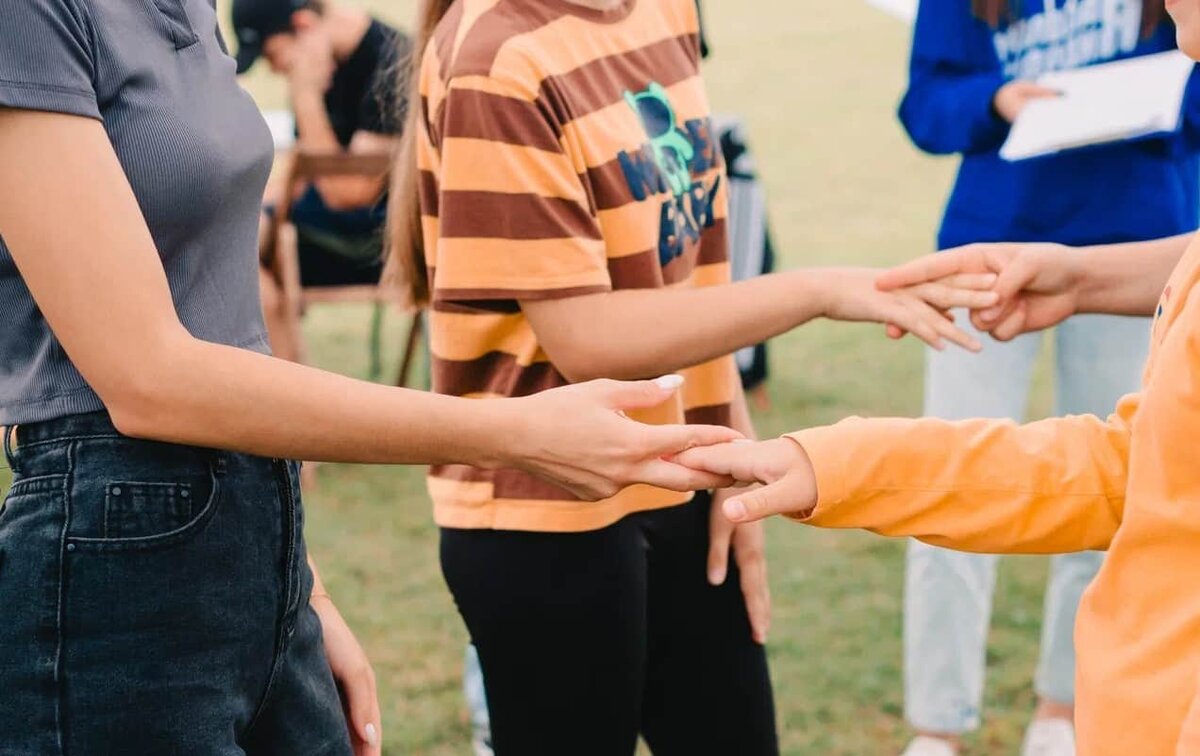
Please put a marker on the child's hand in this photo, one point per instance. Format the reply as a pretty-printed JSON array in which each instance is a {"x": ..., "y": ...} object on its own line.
[
  {"x": 921, "y": 309},
  {"x": 789, "y": 483}
]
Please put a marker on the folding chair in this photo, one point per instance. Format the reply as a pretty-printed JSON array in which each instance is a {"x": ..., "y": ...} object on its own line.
[{"x": 282, "y": 259}]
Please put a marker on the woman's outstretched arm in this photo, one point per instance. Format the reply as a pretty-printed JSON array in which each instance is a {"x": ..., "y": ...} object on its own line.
[{"x": 71, "y": 222}]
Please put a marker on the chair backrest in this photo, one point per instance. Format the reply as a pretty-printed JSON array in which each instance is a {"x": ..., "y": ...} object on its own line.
[{"x": 307, "y": 167}]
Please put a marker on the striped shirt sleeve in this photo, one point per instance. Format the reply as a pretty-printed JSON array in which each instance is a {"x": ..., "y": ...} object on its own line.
[
  {"x": 514, "y": 219},
  {"x": 46, "y": 60}
]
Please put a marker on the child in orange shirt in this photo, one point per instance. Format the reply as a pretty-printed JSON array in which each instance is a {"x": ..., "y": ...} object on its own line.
[{"x": 1130, "y": 484}]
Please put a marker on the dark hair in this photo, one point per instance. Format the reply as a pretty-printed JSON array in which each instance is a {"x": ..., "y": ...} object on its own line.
[
  {"x": 406, "y": 241},
  {"x": 995, "y": 12}
]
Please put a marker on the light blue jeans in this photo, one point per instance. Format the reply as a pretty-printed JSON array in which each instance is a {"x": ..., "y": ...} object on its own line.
[
  {"x": 948, "y": 595},
  {"x": 476, "y": 696}
]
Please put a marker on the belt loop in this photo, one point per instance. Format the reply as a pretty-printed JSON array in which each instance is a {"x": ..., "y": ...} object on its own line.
[{"x": 10, "y": 433}]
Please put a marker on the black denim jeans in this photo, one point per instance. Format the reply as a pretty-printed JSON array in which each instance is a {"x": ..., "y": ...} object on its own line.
[{"x": 154, "y": 600}]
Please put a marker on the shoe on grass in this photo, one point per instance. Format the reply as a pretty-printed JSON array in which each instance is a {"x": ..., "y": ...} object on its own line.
[
  {"x": 923, "y": 745},
  {"x": 1049, "y": 737}
]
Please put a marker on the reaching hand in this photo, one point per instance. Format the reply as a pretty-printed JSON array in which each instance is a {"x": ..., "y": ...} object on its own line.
[
  {"x": 748, "y": 544},
  {"x": 921, "y": 309},
  {"x": 354, "y": 676},
  {"x": 1037, "y": 285},
  {"x": 789, "y": 483},
  {"x": 579, "y": 438}
]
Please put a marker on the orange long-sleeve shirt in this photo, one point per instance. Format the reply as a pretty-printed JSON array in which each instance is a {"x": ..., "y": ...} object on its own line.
[{"x": 1130, "y": 484}]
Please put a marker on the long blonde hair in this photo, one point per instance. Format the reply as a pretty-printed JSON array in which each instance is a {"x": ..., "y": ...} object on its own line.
[{"x": 406, "y": 243}]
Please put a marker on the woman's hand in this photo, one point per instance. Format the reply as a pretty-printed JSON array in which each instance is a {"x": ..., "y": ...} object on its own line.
[
  {"x": 578, "y": 437},
  {"x": 354, "y": 676},
  {"x": 1037, "y": 285},
  {"x": 748, "y": 544},
  {"x": 1012, "y": 98},
  {"x": 789, "y": 482},
  {"x": 921, "y": 309}
]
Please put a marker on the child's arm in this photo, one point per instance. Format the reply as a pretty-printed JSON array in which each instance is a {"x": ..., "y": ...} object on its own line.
[
  {"x": 1040, "y": 285},
  {"x": 634, "y": 332},
  {"x": 987, "y": 486}
]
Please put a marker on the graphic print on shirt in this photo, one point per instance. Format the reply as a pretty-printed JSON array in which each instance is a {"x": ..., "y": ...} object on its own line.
[
  {"x": 1078, "y": 33},
  {"x": 666, "y": 164}
]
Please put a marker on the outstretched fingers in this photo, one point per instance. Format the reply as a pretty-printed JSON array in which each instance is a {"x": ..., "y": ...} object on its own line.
[
  {"x": 971, "y": 291},
  {"x": 968, "y": 260},
  {"x": 790, "y": 495},
  {"x": 735, "y": 460},
  {"x": 662, "y": 473}
]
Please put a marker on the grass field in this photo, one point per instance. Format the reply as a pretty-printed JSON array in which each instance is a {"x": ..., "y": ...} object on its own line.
[{"x": 817, "y": 82}]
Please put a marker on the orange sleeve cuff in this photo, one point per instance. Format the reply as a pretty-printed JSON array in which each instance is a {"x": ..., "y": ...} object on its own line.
[{"x": 821, "y": 445}]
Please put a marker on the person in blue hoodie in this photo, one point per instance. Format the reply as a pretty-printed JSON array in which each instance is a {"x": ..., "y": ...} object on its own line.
[{"x": 973, "y": 69}]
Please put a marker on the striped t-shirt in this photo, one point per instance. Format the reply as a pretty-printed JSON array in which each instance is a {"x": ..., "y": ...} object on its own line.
[{"x": 563, "y": 152}]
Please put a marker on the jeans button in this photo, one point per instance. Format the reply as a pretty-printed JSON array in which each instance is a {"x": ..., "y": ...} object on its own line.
[{"x": 116, "y": 491}]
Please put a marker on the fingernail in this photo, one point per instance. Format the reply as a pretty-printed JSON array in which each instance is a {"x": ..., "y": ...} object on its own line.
[
  {"x": 992, "y": 296},
  {"x": 990, "y": 313},
  {"x": 669, "y": 382},
  {"x": 372, "y": 735},
  {"x": 715, "y": 577},
  {"x": 741, "y": 441},
  {"x": 735, "y": 510}
]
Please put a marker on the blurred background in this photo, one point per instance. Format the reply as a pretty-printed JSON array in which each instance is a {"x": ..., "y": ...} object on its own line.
[{"x": 817, "y": 83}]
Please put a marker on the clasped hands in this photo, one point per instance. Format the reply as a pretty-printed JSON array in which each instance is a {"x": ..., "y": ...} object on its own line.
[{"x": 1035, "y": 286}]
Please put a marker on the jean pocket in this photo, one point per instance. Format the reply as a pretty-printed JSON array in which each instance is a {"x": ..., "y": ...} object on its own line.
[
  {"x": 141, "y": 510},
  {"x": 141, "y": 515},
  {"x": 178, "y": 25}
]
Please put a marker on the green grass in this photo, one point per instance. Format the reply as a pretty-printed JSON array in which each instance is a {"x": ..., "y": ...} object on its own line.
[{"x": 817, "y": 83}]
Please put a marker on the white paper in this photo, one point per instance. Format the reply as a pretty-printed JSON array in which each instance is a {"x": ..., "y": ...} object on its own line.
[
  {"x": 283, "y": 128},
  {"x": 1100, "y": 104},
  {"x": 905, "y": 10}
]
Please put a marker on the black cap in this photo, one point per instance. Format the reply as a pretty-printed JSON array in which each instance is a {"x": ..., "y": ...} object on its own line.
[{"x": 255, "y": 20}]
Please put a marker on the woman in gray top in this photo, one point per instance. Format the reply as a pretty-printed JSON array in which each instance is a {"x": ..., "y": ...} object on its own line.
[{"x": 152, "y": 568}]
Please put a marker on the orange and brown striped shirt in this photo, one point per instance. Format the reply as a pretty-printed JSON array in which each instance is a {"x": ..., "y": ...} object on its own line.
[{"x": 563, "y": 151}]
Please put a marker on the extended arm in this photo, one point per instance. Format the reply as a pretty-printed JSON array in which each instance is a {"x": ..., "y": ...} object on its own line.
[
  {"x": 635, "y": 333},
  {"x": 989, "y": 486},
  {"x": 1039, "y": 285},
  {"x": 100, "y": 285}
]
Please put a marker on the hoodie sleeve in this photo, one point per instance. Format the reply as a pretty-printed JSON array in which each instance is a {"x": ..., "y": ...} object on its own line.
[
  {"x": 986, "y": 486},
  {"x": 953, "y": 76}
]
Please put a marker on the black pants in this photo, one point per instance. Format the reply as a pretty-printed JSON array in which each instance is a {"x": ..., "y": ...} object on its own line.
[{"x": 588, "y": 639}]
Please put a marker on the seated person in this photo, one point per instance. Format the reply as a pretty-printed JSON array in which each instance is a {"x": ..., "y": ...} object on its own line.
[{"x": 341, "y": 67}]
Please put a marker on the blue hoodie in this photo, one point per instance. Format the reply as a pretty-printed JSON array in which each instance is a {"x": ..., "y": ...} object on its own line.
[{"x": 1127, "y": 191}]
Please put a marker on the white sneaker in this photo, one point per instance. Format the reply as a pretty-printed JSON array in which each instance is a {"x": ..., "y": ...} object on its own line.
[
  {"x": 923, "y": 745},
  {"x": 1049, "y": 737}
]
